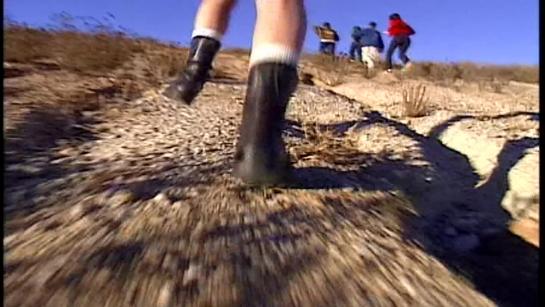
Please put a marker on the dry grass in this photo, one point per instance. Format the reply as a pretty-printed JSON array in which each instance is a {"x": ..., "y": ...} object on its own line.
[
  {"x": 72, "y": 50},
  {"x": 474, "y": 73},
  {"x": 162, "y": 63},
  {"x": 331, "y": 70},
  {"x": 97, "y": 49},
  {"x": 415, "y": 101}
]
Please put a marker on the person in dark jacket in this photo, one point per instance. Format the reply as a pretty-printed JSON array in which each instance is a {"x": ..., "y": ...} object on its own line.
[
  {"x": 400, "y": 32},
  {"x": 355, "y": 46},
  {"x": 371, "y": 45},
  {"x": 328, "y": 38}
]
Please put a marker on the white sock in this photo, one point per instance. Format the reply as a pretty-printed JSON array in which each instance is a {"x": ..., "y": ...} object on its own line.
[
  {"x": 273, "y": 53},
  {"x": 207, "y": 32}
]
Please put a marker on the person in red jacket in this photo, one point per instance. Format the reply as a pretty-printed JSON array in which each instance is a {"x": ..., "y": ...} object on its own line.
[{"x": 400, "y": 32}]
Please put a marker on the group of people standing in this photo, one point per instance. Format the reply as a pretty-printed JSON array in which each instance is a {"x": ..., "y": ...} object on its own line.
[{"x": 367, "y": 44}]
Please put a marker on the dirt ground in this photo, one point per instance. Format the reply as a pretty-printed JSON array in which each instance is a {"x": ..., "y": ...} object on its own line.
[{"x": 112, "y": 200}]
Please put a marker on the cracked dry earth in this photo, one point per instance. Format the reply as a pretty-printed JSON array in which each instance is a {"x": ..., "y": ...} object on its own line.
[{"x": 139, "y": 209}]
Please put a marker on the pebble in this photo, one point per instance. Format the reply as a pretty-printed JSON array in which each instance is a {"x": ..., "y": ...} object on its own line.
[
  {"x": 120, "y": 198},
  {"x": 191, "y": 275},
  {"x": 161, "y": 198},
  {"x": 165, "y": 295}
]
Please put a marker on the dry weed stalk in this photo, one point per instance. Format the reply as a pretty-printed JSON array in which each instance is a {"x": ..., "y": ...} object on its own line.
[
  {"x": 331, "y": 70},
  {"x": 415, "y": 101}
]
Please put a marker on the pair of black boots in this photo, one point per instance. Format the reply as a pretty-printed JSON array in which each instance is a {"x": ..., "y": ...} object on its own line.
[{"x": 260, "y": 156}]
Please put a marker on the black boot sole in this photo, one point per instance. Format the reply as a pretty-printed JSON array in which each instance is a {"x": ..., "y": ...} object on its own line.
[
  {"x": 186, "y": 96},
  {"x": 264, "y": 178},
  {"x": 252, "y": 170}
]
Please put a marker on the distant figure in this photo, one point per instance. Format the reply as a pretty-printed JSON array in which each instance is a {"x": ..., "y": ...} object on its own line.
[
  {"x": 328, "y": 38},
  {"x": 355, "y": 46},
  {"x": 371, "y": 45},
  {"x": 400, "y": 32}
]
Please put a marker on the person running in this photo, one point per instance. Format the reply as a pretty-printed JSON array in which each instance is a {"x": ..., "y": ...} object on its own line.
[
  {"x": 328, "y": 38},
  {"x": 355, "y": 46},
  {"x": 400, "y": 32},
  {"x": 372, "y": 45},
  {"x": 260, "y": 155}
]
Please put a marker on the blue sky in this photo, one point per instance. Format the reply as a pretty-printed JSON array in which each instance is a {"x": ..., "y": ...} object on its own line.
[{"x": 484, "y": 31}]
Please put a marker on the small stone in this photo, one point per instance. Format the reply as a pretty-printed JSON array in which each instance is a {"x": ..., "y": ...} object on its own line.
[
  {"x": 29, "y": 169},
  {"x": 161, "y": 198},
  {"x": 191, "y": 275},
  {"x": 120, "y": 197},
  {"x": 466, "y": 243},
  {"x": 77, "y": 211},
  {"x": 9, "y": 239},
  {"x": 177, "y": 205},
  {"x": 165, "y": 295}
]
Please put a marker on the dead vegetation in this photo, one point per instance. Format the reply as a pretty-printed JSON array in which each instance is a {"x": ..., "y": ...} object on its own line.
[
  {"x": 473, "y": 72},
  {"x": 415, "y": 101},
  {"x": 331, "y": 70},
  {"x": 90, "y": 47},
  {"x": 334, "y": 71}
]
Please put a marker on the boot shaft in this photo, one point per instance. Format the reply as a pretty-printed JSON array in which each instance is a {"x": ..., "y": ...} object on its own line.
[
  {"x": 261, "y": 157},
  {"x": 203, "y": 50},
  {"x": 269, "y": 89}
]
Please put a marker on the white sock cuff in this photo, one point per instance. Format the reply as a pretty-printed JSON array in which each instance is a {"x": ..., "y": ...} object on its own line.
[
  {"x": 274, "y": 53},
  {"x": 207, "y": 32}
]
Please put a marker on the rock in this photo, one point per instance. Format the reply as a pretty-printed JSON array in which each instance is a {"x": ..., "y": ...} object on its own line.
[
  {"x": 165, "y": 295},
  {"x": 177, "y": 205},
  {"x": 465, "y": 243},
  {"x": 120, "y": 197},
  {"x": 161, "y": 198},
  {"x": 191, "y": 275},
  {"x": 76, "y": 211},
  {"x": 527, "y": 229},
  {"x": 29, "y": 169}
]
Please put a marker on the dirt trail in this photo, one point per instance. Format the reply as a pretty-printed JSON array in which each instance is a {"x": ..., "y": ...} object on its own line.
[{"x": 137, "y": 208}]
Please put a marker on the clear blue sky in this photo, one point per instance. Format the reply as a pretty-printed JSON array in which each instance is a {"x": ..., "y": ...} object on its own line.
[{"x": 484, "y": 31}]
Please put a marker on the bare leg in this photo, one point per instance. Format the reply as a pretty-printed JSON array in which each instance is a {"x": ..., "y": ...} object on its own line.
[
  {"x": 280, "y": 24},
  {"x": 214, "y": 15},
  {"x": 210, "y": 24}
]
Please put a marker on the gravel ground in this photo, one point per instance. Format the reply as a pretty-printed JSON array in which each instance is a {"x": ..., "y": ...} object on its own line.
[{"x": 135, "y": 206}]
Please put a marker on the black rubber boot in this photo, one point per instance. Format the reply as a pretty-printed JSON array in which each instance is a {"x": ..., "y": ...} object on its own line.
[
  {"x": 192, "y": 79},
  {"x": 260, "y": 157}
]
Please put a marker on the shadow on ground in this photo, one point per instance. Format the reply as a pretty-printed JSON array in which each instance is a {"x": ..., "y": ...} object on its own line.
[
  {"x": 29, "y": 148},
  {"x": 504, "y": 267}
]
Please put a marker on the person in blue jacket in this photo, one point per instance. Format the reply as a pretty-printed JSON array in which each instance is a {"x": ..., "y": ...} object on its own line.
[
  {"x": 355, "y": 46},
  {"x": 372, "y": 45}
]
